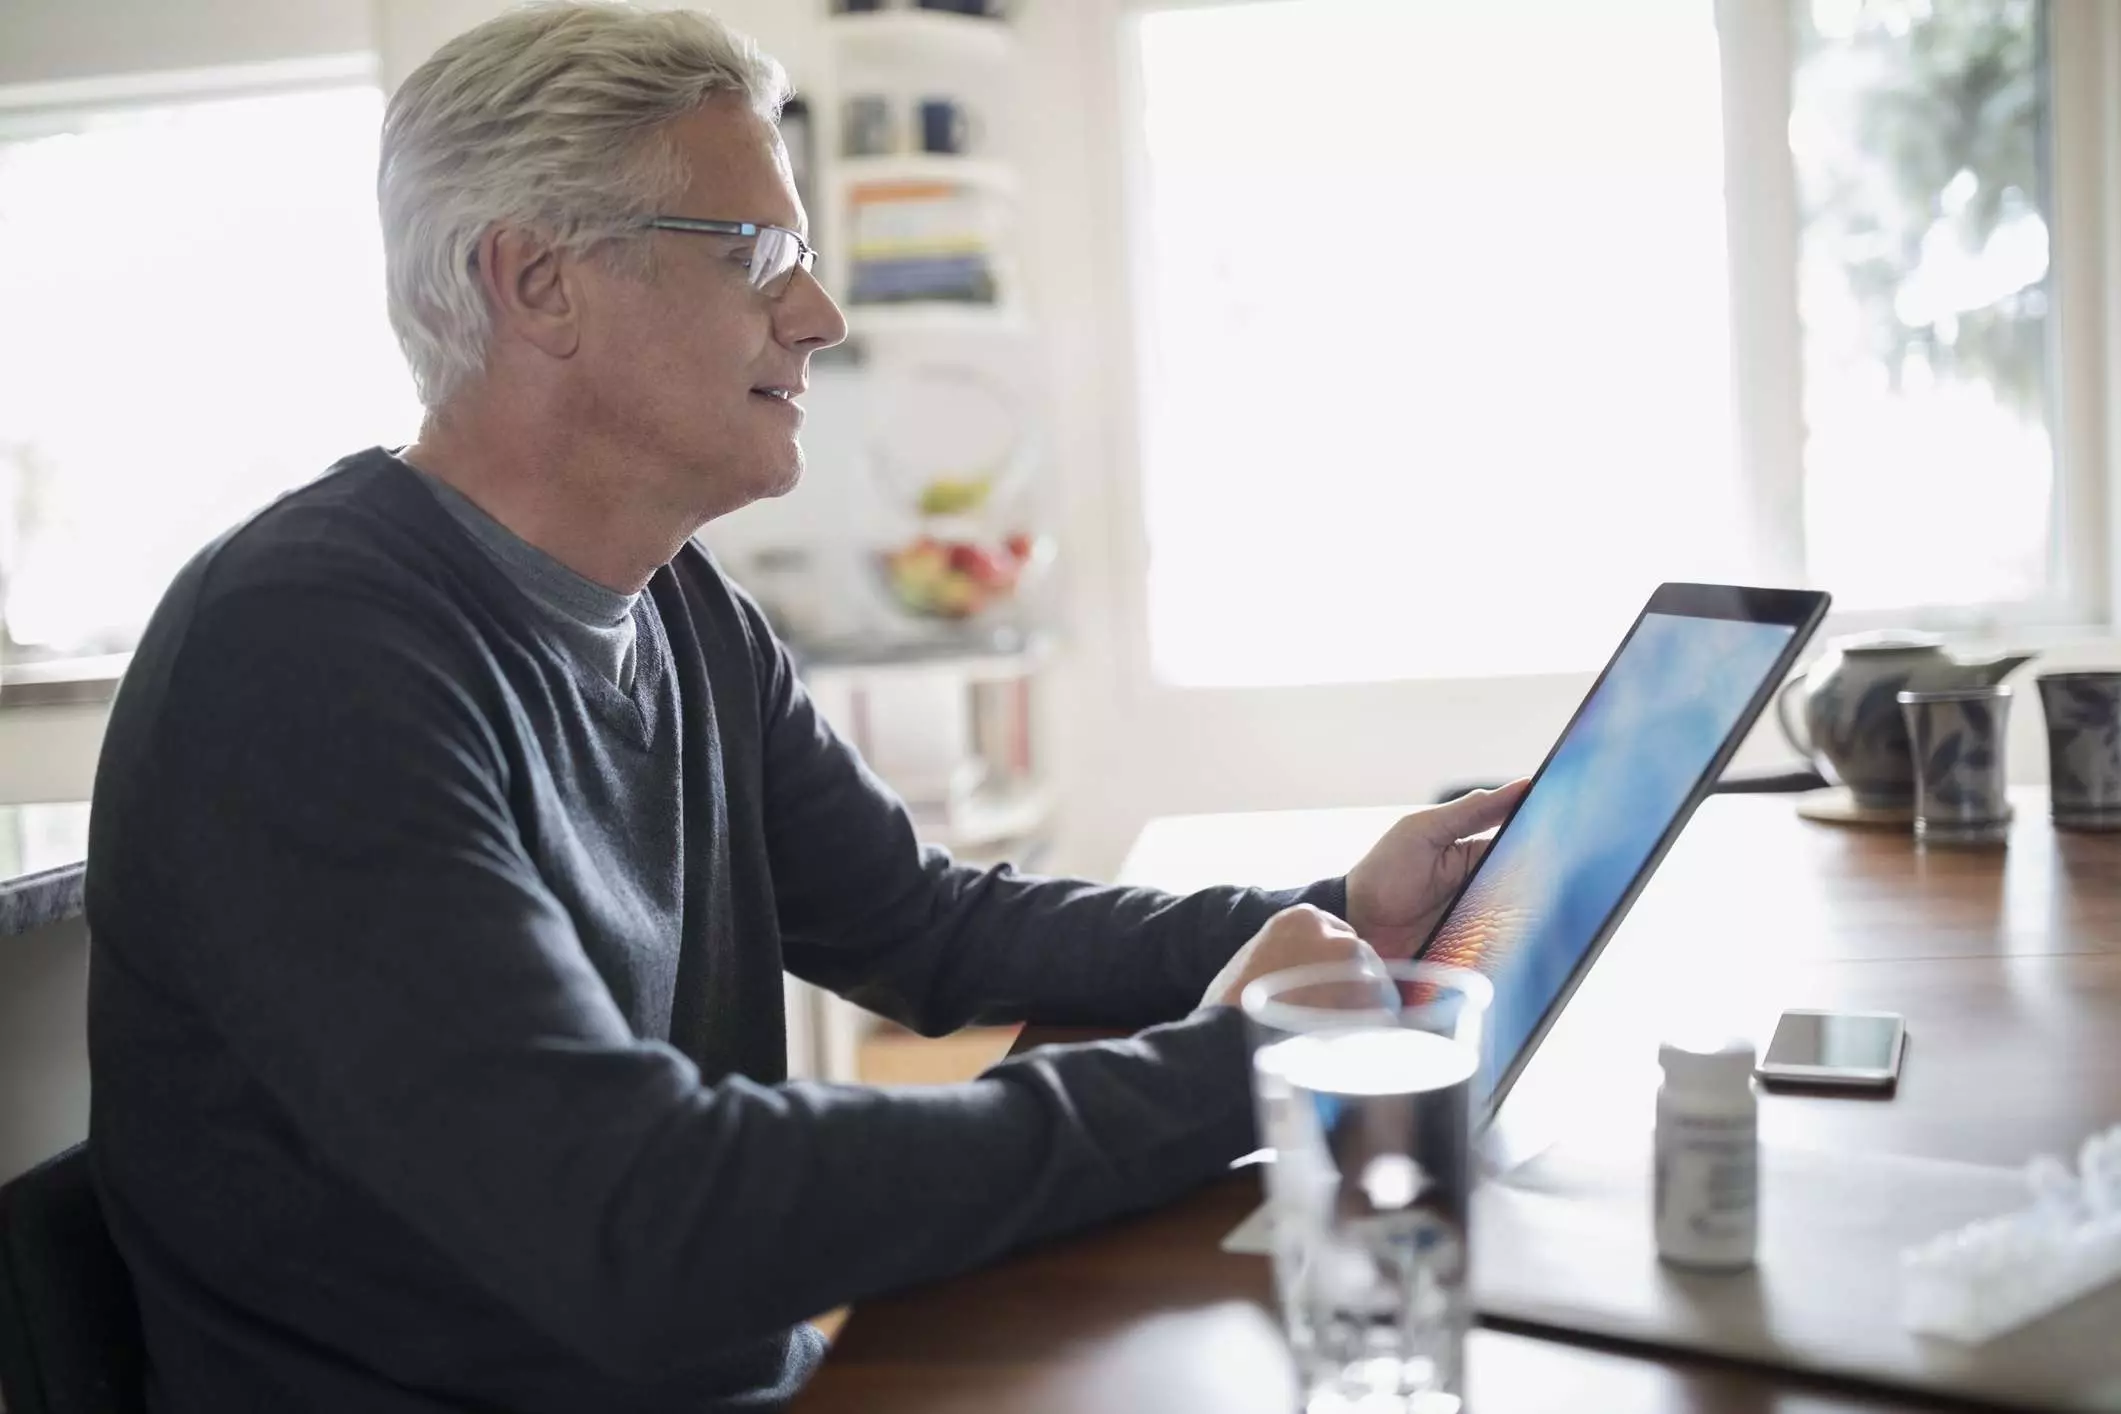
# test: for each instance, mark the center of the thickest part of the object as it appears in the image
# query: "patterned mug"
(2083, 748)
(1957, 736)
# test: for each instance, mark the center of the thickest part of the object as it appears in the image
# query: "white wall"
(49, 753)
(407, 31)
(46, 40)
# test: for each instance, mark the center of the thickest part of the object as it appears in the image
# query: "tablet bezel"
(1799, 609)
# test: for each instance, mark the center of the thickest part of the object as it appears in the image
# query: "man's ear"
(531, 289)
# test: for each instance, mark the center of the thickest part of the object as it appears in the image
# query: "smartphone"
(1853, 1050)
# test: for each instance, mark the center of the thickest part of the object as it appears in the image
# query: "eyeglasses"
(776, 251)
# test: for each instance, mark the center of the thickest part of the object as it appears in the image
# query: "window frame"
(48, 108)
(1757, 49)
(1764, 232)
(41, 109)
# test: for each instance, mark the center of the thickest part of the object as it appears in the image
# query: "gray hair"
(548, 117)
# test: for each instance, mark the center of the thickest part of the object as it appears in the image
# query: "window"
(1918, 133)
(1437, 333)
(195, 323)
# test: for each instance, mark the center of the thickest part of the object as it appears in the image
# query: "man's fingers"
(1309, 915)
(1295, 937)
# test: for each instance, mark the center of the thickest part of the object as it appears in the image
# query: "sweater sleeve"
(362, 926)
(870, 913)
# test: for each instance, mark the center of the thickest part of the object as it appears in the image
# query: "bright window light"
(1918, 132)
(194, 307)
(1434, 332)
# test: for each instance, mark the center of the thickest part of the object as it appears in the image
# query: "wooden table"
(2006, 964)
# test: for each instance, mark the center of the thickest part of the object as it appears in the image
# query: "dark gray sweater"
(438, 1047)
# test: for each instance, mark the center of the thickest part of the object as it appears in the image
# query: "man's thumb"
(1476, 811)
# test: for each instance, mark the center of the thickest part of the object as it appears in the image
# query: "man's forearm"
(992, 946)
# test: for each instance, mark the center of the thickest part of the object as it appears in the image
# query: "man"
(458, 818)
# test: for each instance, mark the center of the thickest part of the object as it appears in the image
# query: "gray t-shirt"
(590, 619)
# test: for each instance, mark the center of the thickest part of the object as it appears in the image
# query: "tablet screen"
(1628, 765)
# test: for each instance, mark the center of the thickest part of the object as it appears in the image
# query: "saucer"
(1837, 806)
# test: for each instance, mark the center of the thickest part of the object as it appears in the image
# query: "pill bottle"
(1707, 1185)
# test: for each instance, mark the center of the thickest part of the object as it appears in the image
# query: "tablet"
(1648, 742)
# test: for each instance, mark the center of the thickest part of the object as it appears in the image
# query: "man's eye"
(742, 255)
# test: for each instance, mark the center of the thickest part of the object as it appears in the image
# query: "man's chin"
(787, 478)
(727, 489)
(771, 480)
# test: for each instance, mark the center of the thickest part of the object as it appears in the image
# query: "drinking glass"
(1366, 1083)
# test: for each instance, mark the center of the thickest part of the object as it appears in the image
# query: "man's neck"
(548, 494)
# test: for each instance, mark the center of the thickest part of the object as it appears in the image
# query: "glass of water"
(1365, 1082)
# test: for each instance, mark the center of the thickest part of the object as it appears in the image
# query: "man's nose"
(808, 316)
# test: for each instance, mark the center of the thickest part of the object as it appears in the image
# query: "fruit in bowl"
(954, 578)
(954, 495)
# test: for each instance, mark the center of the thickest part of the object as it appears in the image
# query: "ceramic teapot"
(1851, 725)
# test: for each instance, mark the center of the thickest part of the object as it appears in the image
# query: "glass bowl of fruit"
(961, 573)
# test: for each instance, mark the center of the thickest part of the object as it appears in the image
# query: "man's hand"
(1398, 891)
(1293, 937)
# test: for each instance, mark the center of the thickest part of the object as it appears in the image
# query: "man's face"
(691, 371)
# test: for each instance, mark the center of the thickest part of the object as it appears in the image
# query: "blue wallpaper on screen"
(1561, 866)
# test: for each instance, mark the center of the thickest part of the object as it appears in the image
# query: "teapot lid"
(1887, 640)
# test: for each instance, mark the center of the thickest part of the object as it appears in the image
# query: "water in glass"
(1372, 1130)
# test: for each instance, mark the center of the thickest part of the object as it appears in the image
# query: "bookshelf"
(947, 713)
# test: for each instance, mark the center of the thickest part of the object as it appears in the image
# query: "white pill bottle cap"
(1721, 1066)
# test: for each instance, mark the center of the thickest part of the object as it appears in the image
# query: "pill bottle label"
(1707, 1190)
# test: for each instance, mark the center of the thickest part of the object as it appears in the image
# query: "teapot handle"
(1792, 727)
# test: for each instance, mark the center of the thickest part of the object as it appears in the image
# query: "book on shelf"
(965, 279)
(912, 241)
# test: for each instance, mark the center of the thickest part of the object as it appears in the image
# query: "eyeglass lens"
(774, 258)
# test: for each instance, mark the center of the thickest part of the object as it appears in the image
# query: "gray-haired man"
(457, 820)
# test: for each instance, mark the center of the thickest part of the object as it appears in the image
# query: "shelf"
(990, 656)
(989, 818)
(927, 167)
(923, 36)
(932, 317)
